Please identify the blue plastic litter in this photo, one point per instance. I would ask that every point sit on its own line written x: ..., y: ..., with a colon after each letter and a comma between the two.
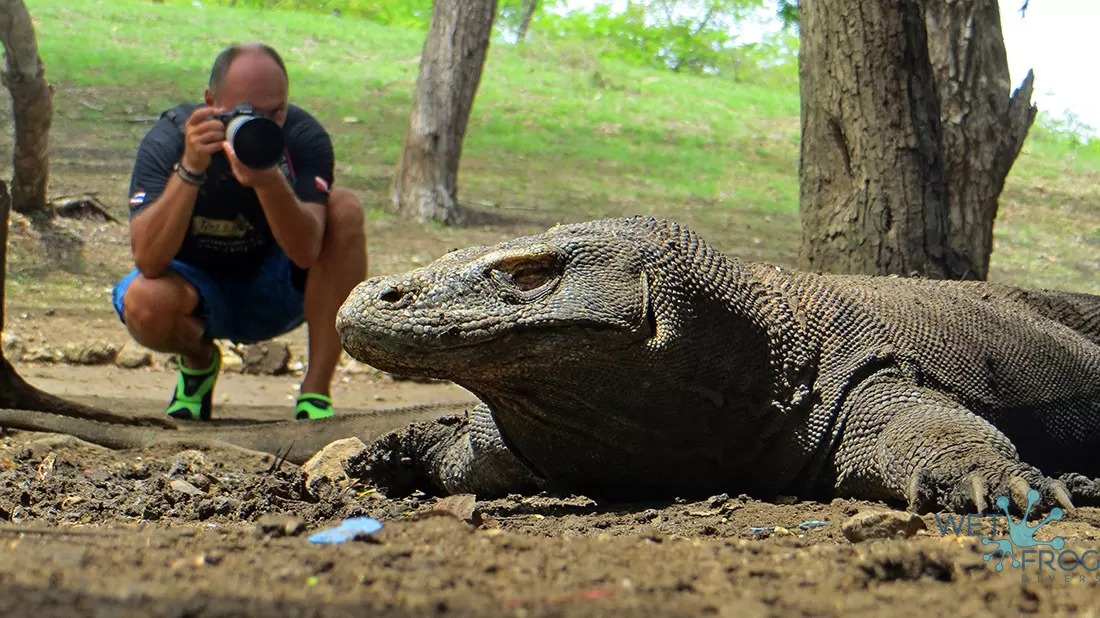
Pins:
x: 348, y: 530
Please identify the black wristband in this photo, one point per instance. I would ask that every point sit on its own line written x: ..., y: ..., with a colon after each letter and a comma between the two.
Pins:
x: 188, y: 176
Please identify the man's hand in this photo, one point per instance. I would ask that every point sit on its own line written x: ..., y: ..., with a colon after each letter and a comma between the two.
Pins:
x: 248, y: 176
x: 203, y: 137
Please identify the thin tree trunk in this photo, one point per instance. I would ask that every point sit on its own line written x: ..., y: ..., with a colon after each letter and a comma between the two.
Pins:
x: 15, y: 392
x: 525, y: 24
x: 984, y: 126
x: 5, y: 222
x: 32, y: 108
x: 426, y: 183
x: 873, y: 198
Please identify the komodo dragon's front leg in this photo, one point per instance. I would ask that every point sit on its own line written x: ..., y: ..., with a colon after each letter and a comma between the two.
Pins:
x: 452, y: 454
x: 907, y: 443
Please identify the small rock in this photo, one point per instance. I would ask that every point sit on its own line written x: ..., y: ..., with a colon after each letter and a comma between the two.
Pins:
x: 231, y: 362
x: 12, y: 345
x: 266, y: 358
x: 90, y: 353
x: 355, y: 368
x: 132, y: 356
x: 185, y: 488
x: 58, y: 442
x: 43, y: 354
x: 187, y: 461
x: 717, y: 501
x: 881, y: 525
x: 459, y: 505
x: 330, y: 463
x: 279, y: 525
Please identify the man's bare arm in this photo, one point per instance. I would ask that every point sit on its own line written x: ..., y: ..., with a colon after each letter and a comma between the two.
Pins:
x: 297, y: 226
x: 157, y: 232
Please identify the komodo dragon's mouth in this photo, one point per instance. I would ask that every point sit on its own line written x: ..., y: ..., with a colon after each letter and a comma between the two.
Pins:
x: 443, y: 339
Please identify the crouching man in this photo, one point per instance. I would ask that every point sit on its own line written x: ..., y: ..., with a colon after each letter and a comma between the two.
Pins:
x: 225, y: 251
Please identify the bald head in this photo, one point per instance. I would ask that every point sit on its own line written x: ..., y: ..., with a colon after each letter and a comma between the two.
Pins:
x: 253, y: 74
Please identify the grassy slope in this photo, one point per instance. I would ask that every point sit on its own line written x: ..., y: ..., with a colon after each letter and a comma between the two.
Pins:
x: 555, y: 133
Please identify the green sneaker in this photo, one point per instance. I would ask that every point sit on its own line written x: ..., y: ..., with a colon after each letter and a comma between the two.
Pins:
x: 194, y: 396
x: 313, y: 405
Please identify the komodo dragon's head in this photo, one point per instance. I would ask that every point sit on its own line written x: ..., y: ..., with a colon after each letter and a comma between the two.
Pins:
x: 606, y: 335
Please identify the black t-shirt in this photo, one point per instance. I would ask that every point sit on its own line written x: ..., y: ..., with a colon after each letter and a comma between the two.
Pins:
x: 229, y: 232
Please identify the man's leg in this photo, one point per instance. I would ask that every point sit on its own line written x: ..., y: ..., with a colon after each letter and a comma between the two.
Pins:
x: 340, y: 267
x: 159, y: 314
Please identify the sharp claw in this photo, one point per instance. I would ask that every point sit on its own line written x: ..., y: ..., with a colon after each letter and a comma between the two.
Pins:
x: 1019, y: 487
x: 1062, y: 497
x: 977, y: 493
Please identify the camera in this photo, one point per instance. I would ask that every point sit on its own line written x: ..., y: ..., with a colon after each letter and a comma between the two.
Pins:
x: 256, y: 139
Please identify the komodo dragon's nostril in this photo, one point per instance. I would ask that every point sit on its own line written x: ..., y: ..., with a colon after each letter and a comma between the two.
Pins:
x: 391, y: 295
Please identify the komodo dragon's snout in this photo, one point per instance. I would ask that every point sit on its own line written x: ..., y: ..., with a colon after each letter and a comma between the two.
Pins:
x: 488, y: 307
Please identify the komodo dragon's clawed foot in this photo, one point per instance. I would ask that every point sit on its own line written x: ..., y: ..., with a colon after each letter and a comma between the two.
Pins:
x: 448, y: 455
x: 938, y: 455
x: 1083, y: 490
x: 978, y: 490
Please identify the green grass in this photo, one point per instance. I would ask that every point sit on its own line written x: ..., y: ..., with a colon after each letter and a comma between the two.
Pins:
x: 554, y: 131
x: 553, y: 119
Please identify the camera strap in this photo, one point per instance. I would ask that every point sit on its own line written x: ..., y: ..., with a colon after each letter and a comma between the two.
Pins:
x: 179, y: 114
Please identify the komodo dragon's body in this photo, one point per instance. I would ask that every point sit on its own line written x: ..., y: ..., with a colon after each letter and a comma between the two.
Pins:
x: 628, y: 358
x: 294, y: 441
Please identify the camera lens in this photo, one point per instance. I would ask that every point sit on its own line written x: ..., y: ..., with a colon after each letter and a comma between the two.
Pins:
x: 257, y: 141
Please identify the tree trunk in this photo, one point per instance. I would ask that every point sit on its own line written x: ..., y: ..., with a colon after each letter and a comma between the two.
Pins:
x: 525, y: 24
x: 873, y: 198
x: 32, y: 108
x: 426, y: 183
x: 15, y: 393
x: 983, y: 126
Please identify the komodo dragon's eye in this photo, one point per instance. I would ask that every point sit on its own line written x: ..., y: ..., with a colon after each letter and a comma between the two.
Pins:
x: 529, y: 272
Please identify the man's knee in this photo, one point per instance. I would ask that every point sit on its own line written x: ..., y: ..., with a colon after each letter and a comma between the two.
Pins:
x: 344, y: 220
x: 152, y: 307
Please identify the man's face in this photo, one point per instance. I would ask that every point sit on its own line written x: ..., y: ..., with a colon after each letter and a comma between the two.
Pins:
x: 255, y: 79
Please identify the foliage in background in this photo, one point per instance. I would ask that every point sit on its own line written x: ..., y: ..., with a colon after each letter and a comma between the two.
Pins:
x: 402, y: 13
x: 689, y: 36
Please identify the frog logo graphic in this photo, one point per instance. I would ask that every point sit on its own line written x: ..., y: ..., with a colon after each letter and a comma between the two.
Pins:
x: 1021, y: 535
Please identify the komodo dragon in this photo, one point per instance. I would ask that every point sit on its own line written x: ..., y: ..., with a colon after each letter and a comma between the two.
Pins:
x: 627, y: 358
x: 294, y: 441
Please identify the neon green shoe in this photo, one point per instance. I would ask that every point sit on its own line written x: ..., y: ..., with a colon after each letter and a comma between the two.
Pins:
x: 194, y: 396
x: 312, y: 406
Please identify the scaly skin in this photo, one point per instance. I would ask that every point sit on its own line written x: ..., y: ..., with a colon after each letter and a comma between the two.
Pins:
x: 628, y: 358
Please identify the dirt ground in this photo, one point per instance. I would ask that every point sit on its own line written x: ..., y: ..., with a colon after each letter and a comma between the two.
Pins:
x: 90, y: 531
x: 218, y: 532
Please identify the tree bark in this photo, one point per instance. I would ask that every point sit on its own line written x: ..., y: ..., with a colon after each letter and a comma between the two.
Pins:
x: 32, y: 108
x: 15, y: 392
x: 426, y: 183
x: 873, y: 198
x: 984, y: 127
x: 525, y: 24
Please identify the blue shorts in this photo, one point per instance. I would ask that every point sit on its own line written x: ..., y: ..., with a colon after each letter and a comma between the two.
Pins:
x: 243, y: 310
